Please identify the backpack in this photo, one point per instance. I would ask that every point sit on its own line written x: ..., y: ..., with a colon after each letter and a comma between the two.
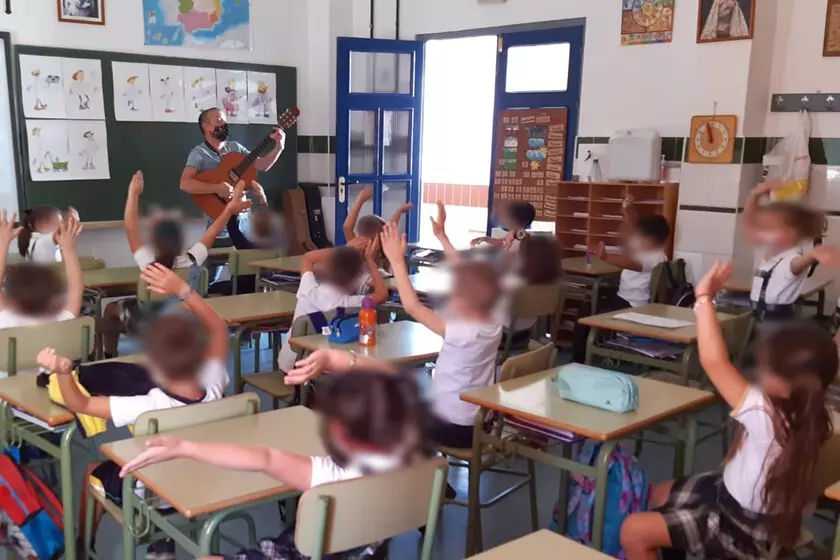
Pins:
x: 674, y: 288
x: 627, y: 492
x: 31, y: 512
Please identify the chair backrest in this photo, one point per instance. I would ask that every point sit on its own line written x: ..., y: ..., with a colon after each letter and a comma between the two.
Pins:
x: 19, y: 346
x: 737, y: 335
x: 345, y: 515
x: 144, y: 294
x: 537, y: 301
x: 91, y: 263
x: 541, y: 359
x: 240, y: 261
x: 157, y: 421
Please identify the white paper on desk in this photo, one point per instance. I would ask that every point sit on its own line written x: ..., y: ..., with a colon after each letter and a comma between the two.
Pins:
x: 653, y: 321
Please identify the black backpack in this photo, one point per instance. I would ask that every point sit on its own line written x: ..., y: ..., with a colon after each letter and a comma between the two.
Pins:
x: 674, y: 287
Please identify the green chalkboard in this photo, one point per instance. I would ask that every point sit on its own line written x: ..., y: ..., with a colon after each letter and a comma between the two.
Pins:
x: 159, y: 149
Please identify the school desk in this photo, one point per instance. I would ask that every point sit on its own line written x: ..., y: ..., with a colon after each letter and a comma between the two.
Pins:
x: 247, y: 312
x: 401, y: 342
x: 687, y: 366
x: 427, y: 281
x: 285, y: 265
x: 535, y: 398
x: 542, y: 544
x: 591, y: 276
x: 742, y: 280
x: 198, y: 490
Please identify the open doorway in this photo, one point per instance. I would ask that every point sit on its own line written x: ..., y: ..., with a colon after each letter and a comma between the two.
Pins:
x: 458, y: 105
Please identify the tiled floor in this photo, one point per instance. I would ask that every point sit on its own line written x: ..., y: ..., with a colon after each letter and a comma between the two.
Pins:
x: 506, y: 521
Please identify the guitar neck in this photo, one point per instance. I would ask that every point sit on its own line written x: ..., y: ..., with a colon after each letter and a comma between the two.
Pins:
x: 255, y: 154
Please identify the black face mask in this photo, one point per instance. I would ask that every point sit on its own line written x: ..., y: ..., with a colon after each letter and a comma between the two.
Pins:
x: 221, y: 132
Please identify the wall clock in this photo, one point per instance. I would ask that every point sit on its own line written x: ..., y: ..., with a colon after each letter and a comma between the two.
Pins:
x: 712, y: 139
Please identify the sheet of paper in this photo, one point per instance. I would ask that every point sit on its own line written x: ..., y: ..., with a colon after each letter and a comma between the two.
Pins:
x: 83, y: 88
x: 49, y: 155
x: 167, y: 89
x: 88, y: 150
x: 232, y: 91
x: 132, y: 96
x: 262, y: 98
x: 41, y: 84
x: 199, y: 91
x: 652, y: 320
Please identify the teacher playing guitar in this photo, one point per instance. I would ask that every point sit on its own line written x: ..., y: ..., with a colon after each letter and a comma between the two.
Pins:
x: 208, y: 155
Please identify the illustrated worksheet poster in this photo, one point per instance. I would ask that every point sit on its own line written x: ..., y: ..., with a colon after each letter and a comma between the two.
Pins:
x: 82, y: 79
x: 262, y: 98
x: 232, y: 91
x: 41, y: 85
x: 88, y: 145
x: 132, y: 96
x: 199, y: 91
x: 49, y: 155
x: 167, y: 89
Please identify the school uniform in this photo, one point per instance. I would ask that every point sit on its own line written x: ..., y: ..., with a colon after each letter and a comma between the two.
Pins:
x: 10, y: 319
x: 721, y: 514
x: 775, y: 288
x: 43, y: 249
x: 315, y: 297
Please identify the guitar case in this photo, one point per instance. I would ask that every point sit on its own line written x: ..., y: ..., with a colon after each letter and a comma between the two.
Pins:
x: 297, y: 221
x: 317, y: 227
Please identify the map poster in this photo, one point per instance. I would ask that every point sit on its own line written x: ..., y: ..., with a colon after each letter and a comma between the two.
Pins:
x: 221, y: 24
x: 530, y: 156
x: 647, y: 21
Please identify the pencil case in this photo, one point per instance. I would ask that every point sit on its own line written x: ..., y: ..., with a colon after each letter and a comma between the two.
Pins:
x: 601, y: 388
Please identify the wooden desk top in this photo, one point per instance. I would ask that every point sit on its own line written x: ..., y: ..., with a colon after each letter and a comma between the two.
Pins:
x: 577, y: 265
x: 260, y: 306
x: 111, y: 277
x: 535, y: 398
x: 428, y: 281
x: 682, y: 335
x: 742, y: 280
x: 195, y: 488
x: 280, y: 264
x: 403, y: 341
x: 21, y: 392
x: 542, y: 544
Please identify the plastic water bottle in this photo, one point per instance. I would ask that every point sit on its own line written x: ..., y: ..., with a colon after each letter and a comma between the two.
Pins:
x: 367, y: 323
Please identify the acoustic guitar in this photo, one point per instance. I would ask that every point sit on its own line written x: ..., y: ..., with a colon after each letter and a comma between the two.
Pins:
x: 235, y: 167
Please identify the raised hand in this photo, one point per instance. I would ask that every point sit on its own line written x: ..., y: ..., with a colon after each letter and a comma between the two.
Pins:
x: 366, y: 194
x: 393, y: 244
x: 158, y: 450
x: 8, y: 231
x: 628, y: 202
x: 259, y: 192
x: 135, y: 187
x: 224, y: 191
x: 439, y: 225
x: 373, y: 249
x: 477, y: 241
x: 67, y: 233
x: 766, y: 187
x: 52, y: 362
x: 161, y: 280
x: 238, y: 203
x: 715, y: 279
x: 599, y: 249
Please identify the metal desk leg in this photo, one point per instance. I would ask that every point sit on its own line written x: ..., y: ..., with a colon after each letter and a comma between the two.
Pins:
x: 66, y: 466
x: 690, y: 444
x: 129, y: 517
x: 563, y: 497
x: 474, y: 533
x: 590, y: 344
x: 238, y: 383
x: 596, y: 293
x: 601, y: 474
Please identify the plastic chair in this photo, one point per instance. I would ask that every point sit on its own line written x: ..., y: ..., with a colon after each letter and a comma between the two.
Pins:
x: 341, y: 516
x: 19, y: 346
x: 91, y: 263
x: 240, y: 263
x: 145, y: 294
x: 533, y: 302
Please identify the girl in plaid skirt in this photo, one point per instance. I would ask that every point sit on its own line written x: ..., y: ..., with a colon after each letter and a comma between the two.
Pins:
x: 768, y: 479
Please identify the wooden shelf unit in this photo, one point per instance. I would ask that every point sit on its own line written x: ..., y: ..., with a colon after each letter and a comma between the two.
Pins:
x: 591, y: 212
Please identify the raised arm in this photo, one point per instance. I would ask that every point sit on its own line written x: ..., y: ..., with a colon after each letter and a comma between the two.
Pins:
x: 380, y: 288
x: 619, y: 260
x: 628, y: 211
x: 8, y: 233
x: 131, y: 216
x: 394, y: 245
x: 313, y: 258
x: 353, y: 215
x: 714, y: 355
x: 749, y: 225
x: 74, y: 400
x: 268, y: 160
x: 404, y: 209
x: 439, y: 229
x: 236, y: 206
x: 161, y: 280
x: 68, y: 232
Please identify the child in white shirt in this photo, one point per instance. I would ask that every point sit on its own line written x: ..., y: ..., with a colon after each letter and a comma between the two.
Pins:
x: 768, y: 480
x: 515, y: 217
x: 38, y: 241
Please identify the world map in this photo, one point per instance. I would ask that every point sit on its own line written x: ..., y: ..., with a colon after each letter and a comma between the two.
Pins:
x: 222, y: 24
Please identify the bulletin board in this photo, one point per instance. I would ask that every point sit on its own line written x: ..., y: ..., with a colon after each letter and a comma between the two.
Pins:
x: 529, y: 158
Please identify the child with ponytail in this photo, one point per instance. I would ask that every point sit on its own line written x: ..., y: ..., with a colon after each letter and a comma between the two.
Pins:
x: 769, y: 477
x: 37, y: 241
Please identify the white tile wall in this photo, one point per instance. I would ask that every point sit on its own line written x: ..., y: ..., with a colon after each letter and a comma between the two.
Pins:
x: 710, y: 185
x: 316, y: 168
x: 750, y: 177
x: 705, y: 232
x: 824, y: 188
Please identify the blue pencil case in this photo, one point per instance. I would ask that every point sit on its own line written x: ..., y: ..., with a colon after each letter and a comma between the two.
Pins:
x: 601, y: 388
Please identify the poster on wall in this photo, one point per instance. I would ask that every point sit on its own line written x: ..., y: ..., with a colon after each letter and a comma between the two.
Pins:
x: 644, y: 22
x: 221, y: 24
x: 232, y: 91
x: 167, y: 90
x: 199, y: 91
x: 725, y: 20
x: 88, y: 144
x: 83, y: 88
x: 831, y: 40
x: 132, y: 98
x: 530, y: 155
x: 41, y: 84
x: 262, y: 98
x: 49, y: 155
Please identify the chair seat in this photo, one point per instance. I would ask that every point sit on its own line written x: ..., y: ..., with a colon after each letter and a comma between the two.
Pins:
x: 271, y: 383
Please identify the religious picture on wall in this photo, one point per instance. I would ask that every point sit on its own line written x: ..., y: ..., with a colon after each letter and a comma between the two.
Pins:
x: 232, y: 91
x: 725, y: 20
x: 82, y: 11
x: 88, y: 143
x: 48, y: 153
x: 41, y: 84
x: 132, y: 97
x: 199, y: 91
x: 167, y: 89
x: 831, y: 41
x: 647, y: 21
x: 262, y: 98
x: 83, y: 88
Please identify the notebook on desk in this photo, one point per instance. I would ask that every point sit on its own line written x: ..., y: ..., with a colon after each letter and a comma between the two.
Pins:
x: 652, y: 320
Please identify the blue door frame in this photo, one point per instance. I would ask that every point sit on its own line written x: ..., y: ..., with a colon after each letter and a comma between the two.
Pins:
x: 377, y: 104
x: 570, y: 99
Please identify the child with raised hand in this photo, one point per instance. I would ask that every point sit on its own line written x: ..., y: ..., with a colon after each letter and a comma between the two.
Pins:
x: 768, y: 480
x: 515, y: 217
x: 38, y: 238
x: 368, y: 226
x: 371, y: 424
x: 471, y: 335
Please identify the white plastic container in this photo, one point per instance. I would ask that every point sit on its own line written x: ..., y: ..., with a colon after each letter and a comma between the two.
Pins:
x: 634, y: 155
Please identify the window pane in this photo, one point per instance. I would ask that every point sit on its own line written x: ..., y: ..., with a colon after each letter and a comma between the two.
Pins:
x: 538, y: 68
x: 380, y: 72
x: 394, y: 195
x: 353, y: 192
x: 396, y: 142
x: 362, y: 150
